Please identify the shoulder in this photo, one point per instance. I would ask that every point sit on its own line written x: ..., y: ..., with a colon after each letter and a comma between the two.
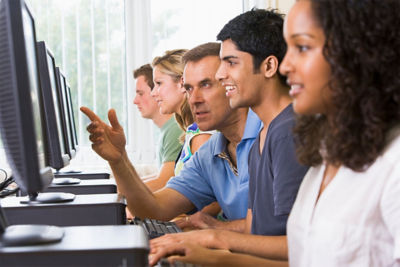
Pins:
x: 171, y: 129
x: 282, y: 126
x: 211, y: 146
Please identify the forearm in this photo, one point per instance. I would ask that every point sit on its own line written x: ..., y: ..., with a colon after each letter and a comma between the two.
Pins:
x: 270, y: 247
x: 140, y: 199
x: 235, y: 225
x: 236, y: 259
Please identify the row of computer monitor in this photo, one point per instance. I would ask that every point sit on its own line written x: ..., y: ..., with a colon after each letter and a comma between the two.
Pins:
x: 36, y: 112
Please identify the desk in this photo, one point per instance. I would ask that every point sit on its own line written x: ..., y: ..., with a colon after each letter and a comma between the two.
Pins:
x: 92, y: 186
x: 122, y: 245
x: 96, y: 209
x: 84, y: 175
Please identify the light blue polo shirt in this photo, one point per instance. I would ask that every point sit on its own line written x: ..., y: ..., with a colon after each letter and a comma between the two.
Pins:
x: 208, y: 177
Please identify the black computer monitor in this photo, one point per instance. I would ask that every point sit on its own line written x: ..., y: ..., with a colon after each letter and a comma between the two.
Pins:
x: 21, y: 117
x: 57, y: 152
x: 64, y: 111
x: 71, y: 116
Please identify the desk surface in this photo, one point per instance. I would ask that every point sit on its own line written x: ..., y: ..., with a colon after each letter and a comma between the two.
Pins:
x: 84, y: 238
x: 92, y: 199
x: 122, y: 245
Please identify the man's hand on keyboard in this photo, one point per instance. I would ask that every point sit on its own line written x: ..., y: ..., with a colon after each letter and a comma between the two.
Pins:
x: 199, y: 220
x: 205, y: 238
x: 189, y: 253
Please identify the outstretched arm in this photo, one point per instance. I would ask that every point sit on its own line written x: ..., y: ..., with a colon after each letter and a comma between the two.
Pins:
x: 191, y: 253
x: 270, y: 247
x: 109, y: 142
x: 202, y: 220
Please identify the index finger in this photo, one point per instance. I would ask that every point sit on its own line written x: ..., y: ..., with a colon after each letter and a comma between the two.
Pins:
x: 90, y: 114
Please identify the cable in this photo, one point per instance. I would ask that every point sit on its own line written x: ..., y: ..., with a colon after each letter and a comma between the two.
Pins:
x: 4, y: 171
x: 6, y: 192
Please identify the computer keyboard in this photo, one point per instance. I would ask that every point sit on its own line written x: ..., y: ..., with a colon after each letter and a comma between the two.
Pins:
x: 156, y: 228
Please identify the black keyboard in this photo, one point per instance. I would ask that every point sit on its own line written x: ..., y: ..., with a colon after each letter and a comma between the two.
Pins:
x: 156, y: 228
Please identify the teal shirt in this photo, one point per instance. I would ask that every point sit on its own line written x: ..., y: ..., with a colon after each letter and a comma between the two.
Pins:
x: 169, y: 146
x: 192, y: 131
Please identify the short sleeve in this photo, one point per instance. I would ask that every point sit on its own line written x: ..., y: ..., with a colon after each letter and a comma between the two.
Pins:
x: 192, y: 182
x: 171, y: 146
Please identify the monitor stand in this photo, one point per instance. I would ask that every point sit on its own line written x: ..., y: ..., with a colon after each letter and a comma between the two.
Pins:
x: 70, y: 171
x: 25, y: 235
x: 50, y: 197
x: 66, y: 181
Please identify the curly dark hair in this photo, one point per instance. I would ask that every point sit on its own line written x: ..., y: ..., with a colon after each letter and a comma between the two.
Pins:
x: 259, y: 33
x: 362, y: 48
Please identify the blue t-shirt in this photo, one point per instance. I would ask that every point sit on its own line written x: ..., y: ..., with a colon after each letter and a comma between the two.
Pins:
x: 207, y: 176
x: 275, y: 176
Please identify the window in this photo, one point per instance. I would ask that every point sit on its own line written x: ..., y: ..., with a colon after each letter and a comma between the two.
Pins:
x: 188, y: 23
x: 87, y: 39
x: 156, y: 26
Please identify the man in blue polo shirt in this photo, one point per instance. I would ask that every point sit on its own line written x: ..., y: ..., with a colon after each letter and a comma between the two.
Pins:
x: 216, y: 172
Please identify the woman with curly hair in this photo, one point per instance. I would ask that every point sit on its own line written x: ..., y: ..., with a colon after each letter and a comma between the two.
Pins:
x: 343, y: 65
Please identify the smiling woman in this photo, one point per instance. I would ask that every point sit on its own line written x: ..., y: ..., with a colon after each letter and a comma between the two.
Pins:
x: 342, y: 63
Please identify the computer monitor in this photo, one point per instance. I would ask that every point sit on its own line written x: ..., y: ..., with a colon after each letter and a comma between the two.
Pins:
x: 57, y: 152
x: 21, y: 120
x: 71, y: 116
x: 64, y: 111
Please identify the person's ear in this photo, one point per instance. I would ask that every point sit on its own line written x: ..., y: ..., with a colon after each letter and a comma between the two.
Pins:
x: 269, y: 66
x: 182, y: 88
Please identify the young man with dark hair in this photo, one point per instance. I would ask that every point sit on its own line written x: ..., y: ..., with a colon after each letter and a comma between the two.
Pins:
x: 251, y: 51
x: 216, y: 172
x: 169, y: 146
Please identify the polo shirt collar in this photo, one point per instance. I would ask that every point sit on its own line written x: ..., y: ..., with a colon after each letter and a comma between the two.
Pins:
x: 251, y: 130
